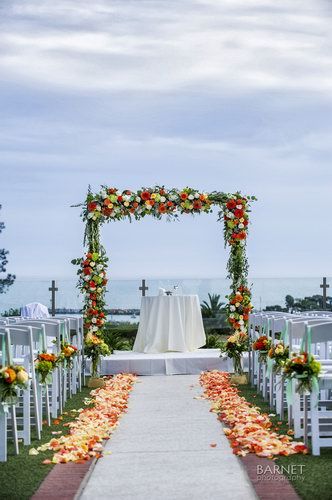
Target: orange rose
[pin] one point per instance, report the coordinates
(10, 375)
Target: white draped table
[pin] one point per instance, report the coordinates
(170, 323)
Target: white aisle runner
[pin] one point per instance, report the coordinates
(161, 450)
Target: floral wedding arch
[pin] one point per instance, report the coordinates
(110, 204)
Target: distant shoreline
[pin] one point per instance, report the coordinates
(109, 312)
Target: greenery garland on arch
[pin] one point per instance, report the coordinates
(110, 204)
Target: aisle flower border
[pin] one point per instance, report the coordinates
(94, 424)
(111, 204)
(248, 430)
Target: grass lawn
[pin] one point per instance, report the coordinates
(21, 475)
(317, 471)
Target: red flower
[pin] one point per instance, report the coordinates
(107, 211)
(128, 192)
(183, 196)
(197, 205)
(111, 191)
(242, 235)
(170, 203)
(161, 192)
(87, 271)
(92, 284)
(231, 204)
(238, 213)
(89, 256)
(120, 198)
(162, 208)
(145, 195)
(92, 206)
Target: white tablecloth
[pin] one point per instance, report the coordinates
(170, 323)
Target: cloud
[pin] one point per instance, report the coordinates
(166, 46)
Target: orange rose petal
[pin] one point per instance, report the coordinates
(249, 431)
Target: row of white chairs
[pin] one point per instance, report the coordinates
(22, 340)
(309, 331)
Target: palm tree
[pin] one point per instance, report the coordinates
(212, 309)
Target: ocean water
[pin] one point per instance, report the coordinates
(125, 293)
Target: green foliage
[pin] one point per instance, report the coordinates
(12, 312)
(212, 308)
(9, 279)
(275, 308)
(289, 301)
(313, 303)
(120, 337)
(213, 341)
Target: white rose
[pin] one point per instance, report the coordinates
(238, 293)
(99, 267)
(126, 203)
(230, 215)
(196, 195)
(94, 328)
(103, 194)
(162, 199)
(126, 197)
(232, 308)
(241, 322)
(86, 278)
(90, 215)
(239, 207)
(237, 304)
(241, 226)
(22, 377)
(93, 320)
(92, 263)
(98, 207)
(190, 197)
(101, 275)
(138, 199)
(149, 207)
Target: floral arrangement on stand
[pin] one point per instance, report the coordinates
(45, 364)
(262, 345)
(12, 378)
(234, 347)
(249, 430)
(94, 424)
(279, 354)
(305, 370)
(112, 204)
(238, 309)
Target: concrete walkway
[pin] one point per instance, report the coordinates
(161, 449)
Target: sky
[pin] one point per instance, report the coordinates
(219, 95)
